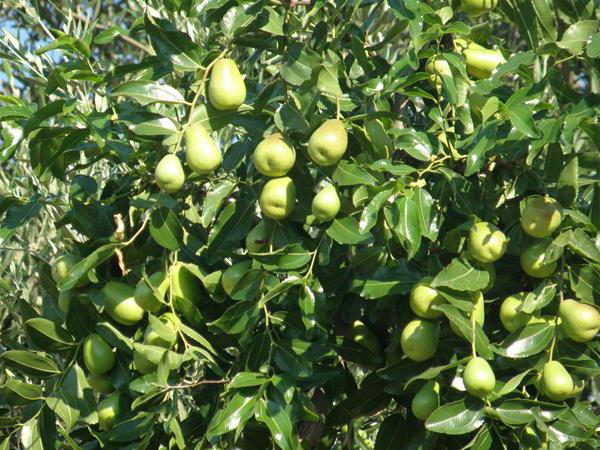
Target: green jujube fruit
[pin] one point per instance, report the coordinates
(481, 62)
(233, 275)
(226, 88)
(109, 410)
(541, 216)
(328, 143)
(98, 356)
(169, 174)
(278, 198)
(202, 154)
(557, 384)
(100, 383)
(511, 318)
(184, 284)
(479, 377)
(419, 339)
(486, 242)
(532, 260)
(363, 335)
(580, 321)
(144, 296)
(61, 266)
(121, 304)
(478, 7)
(423, 298)
(426, 400)
(152, 337)
(274, 156)
(326, 204)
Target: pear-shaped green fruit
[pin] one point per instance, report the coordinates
(233, 275)
(142, 364)
(438, 67)
(486, 242)
(557, 384)
(184, 284)
(278, 198)
(328, 143)
(120, 303)
(423, 298)
(478, 311)
(109, 410)
(100, 383)
(541, 216)
(580, 321)
(532, 260)
(144, 295)
(64, 301)
(479, 377)
(419, 339)
(274, 156)
(481, 62)
(202, 154)
(512, 319)
(167, 338)
(62, 265)
(478, 7)
(226, 89)
(326, 204)
(98, 357)
(169, 174)
(426, 400)
(363, 335)
(257, 240)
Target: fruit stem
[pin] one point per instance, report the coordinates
(337, 107)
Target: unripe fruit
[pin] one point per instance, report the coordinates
(151, 337)
(478, 311)
(142, 364)
(100, 383)
(202, 154)
(226, 89)
(144, 295)
(257, 240)
(541, 216)
(426, 400)
(419, 339)
(478, 7)
(578, 386)
(62, 265)
(326, 204)
(274, 156)
(169, 174)
(233, 275)
(438, 67)
(108, 411)
(580, 321)
(363, 335)
(98, 357)
(184, 284)
(64, 301)
(532, 260)
(120, 303)
(423, 298)
(481, 62)
(557, 384)
(479, 377)
(328, 143)
(486, 242)
(278, 198)
(512, 319)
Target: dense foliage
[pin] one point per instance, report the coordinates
(309, 224)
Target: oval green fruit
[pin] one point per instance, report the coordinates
(274, 156)
(278, 198)
(479, 377)
(233, 275)
(419, 339)
(144, 295)
(486, 242)
(478, 7)
(98, 357)
(541, 216)
(257, 240)
(184, 284)
(328, 143)
(481, 62)
(202, 154)
(169, 174)
(580, 321)
(100, 383)
(120, 303)
(226, 89)
(532, 260)
(478, 311)
(64, 301)
(142, 364)
(326, 204)
(438, 67)
(363, 335)
(109, 410)
(512, 319)
(426, 400)
(423, 298)
(62, 265)
(557, 384)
